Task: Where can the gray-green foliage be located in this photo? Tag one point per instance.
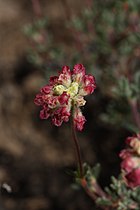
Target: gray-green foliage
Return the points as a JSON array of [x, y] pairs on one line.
[[118, 111], [120, 197], [128, 89], [91, 171]]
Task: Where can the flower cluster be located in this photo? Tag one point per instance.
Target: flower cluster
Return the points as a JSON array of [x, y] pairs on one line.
[[64, 95], [131, 161]]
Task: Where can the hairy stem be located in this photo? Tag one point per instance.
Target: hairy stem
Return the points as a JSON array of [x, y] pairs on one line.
[[77, 150], [37, 8]]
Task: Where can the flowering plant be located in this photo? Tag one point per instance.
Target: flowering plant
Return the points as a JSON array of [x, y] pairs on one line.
[[106, 33], [63, 98]]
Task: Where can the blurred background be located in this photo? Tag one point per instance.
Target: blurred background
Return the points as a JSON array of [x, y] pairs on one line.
[[38, 37]]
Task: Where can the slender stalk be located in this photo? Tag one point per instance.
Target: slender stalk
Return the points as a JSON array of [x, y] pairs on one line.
[[135, 112], [92, 195], [98, 191], [96, 194], [37, 8], [77, 149]]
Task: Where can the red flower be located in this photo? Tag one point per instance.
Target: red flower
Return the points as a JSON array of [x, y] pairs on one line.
[[131, 161], [64, 95], [133, 178]]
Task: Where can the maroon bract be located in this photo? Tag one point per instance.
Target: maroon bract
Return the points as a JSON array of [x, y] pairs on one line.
[[133, 178], [64, 95]]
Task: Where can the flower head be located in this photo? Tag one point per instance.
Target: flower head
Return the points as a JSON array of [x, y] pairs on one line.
[[131, 161], [64, 95]]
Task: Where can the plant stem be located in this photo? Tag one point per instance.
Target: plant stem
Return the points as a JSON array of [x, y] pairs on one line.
[[98, 191], [37, 8], [92, 195], [96, 194], [135, 112], [77, 149]]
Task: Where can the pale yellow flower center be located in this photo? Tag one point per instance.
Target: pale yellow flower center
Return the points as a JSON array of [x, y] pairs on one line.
[[72, 90]]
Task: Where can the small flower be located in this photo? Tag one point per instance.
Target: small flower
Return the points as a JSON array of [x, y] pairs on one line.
[[64, 95], [134, 142], [125, 153], [131, 161], [133, 178], [79, 119]]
